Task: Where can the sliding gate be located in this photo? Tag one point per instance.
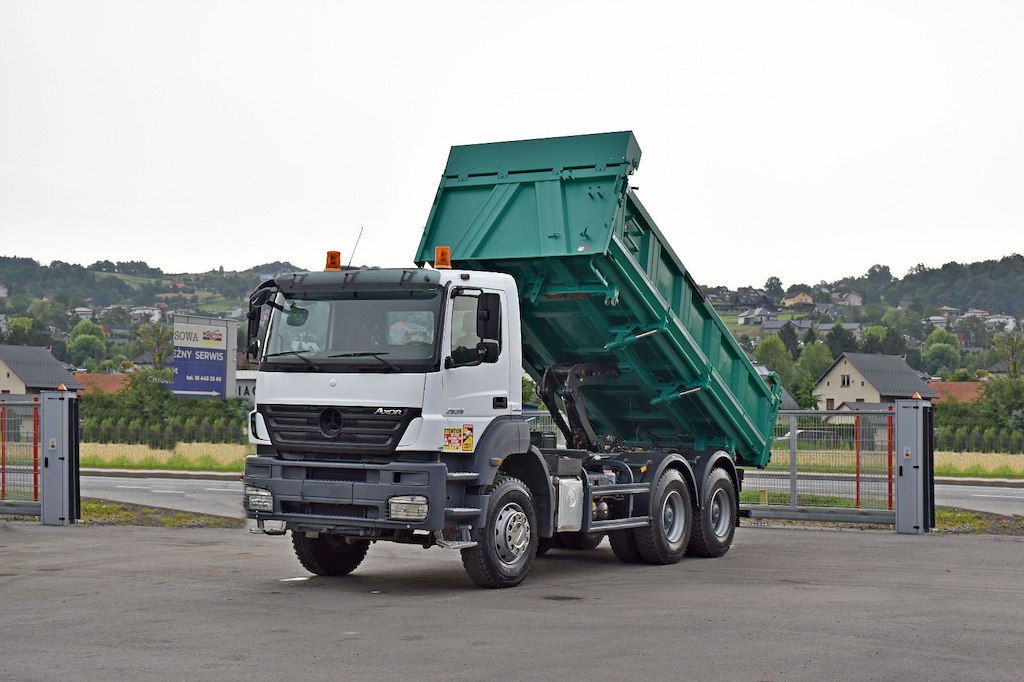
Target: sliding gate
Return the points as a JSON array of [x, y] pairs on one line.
[[869, 466]]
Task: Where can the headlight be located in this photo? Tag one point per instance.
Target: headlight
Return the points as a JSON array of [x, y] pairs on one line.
[[258, 499], [407, 508]]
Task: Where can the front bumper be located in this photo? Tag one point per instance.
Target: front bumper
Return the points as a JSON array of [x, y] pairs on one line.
[[352, 498]]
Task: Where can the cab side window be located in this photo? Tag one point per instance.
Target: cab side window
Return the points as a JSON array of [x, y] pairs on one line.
[[473, 315]]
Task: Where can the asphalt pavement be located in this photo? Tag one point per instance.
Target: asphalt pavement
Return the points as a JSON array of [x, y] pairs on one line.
[[107, 603]]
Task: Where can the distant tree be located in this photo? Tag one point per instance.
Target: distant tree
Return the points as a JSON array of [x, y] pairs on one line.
[[973, 331], [746, 343], [116, 317], [962, 375], [941, 358], [900, 320], [810, 336], [939, 335], [893, 343], [803, 393], [773, 288], [1011, 349], [19, 331], [157, 340], [772, 354], [102, 266], [879, 275], [798, 288], [1001, 398], [841, 340], [87, 350], [530, 392], [873, 336], [814, 361], [790, 340], [48, 314], [88, 328]]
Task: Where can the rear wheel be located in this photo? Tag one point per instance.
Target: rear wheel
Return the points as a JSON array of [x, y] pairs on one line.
[[328, 554], [545, 544], [624, 546], [714, 529], [580, 540], [507, 544], [666, 539]]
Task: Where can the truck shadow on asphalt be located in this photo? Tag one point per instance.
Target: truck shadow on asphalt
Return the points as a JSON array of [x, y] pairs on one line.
[[446, 575]]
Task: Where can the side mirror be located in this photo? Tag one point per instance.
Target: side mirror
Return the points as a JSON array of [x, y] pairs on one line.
[[488, 317]]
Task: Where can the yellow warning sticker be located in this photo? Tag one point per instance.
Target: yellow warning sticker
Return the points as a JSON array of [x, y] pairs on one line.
[[458, 439]]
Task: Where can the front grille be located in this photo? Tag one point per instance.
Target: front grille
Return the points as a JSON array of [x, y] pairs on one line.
[[307, 429]]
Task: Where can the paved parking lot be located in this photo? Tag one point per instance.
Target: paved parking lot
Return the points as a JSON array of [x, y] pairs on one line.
[[88, 603]]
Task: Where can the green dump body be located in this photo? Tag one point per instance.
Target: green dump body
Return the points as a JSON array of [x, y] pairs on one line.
[[599, 283]]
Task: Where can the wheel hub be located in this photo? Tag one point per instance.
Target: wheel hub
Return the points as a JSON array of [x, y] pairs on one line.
[[721, 515], [511, 533], [673, 517]]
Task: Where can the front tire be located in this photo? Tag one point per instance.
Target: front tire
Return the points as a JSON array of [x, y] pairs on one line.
[[507, 544], [328, 554], [714, 530], [666, 539]]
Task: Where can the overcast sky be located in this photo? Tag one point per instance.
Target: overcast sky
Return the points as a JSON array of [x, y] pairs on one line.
[[805, 140]]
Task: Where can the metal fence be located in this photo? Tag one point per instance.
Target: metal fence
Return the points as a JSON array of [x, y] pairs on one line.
[[19, 455], [827, 465]]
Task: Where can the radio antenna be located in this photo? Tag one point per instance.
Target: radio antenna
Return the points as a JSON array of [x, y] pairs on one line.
[[358, 237]]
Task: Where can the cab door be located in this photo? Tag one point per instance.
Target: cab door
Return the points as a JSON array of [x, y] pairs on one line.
[[475, 373]]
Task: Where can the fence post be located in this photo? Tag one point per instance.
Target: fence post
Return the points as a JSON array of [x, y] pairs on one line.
[[3, 452], [792, 460], [889, 477], [856, 446], [35, 453]]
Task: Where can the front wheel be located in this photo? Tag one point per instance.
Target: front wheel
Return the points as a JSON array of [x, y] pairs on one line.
[[714, 530], [507, 544], [328, 554], [666, 539]]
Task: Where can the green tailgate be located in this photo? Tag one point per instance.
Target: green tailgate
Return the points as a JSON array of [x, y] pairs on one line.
[[600, 284]]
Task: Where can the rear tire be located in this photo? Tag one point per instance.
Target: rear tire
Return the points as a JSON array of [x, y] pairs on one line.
[[546, 544], [714, 529], [328, 554], [624, 547], [580, 541], [666, 539], [507, 544]]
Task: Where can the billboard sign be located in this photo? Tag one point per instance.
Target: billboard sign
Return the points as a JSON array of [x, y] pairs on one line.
[[203, 357]]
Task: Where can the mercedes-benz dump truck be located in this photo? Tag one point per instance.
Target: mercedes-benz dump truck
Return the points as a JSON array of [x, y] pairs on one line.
[[389, 401]]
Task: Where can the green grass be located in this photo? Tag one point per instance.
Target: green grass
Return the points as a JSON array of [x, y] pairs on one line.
[[105, 513], [753, 497], [175, 462], [134, 281]]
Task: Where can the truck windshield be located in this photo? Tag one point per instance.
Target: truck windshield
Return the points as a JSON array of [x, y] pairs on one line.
[[354, 331]]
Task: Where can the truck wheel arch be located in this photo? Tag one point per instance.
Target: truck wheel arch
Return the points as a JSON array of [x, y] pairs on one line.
[[530, 468]]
